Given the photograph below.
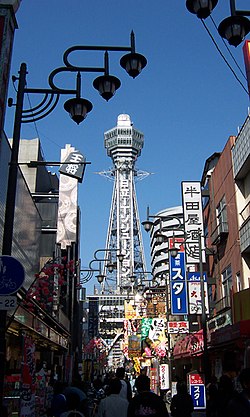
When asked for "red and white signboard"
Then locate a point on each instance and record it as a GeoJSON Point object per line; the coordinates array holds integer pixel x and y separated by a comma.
{"type": "Point", "coordinates": [164, 376]}
{"type": "Point", "coordinates": [178, 327]}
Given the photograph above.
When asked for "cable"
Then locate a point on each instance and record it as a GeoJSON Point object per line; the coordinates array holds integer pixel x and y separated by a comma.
{"type": "Point", "coordinates": [223, 57]}
{"type": "Point", "coordinates": [228, 49]}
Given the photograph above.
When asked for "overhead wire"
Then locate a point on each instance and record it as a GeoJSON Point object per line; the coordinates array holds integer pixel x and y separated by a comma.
{"type": "Point", "coordinates": [223, 57]}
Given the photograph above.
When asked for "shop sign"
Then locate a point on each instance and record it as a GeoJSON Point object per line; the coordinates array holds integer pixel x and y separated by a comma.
{"type": "Point", "coordinates": [194, 292]}
{"type": "Point", "coordinates": [11, 275]}
{"type": "Point", "coordinates": [193, 221]}
{"type": "Point", "coordinates": [178, 284]}
{"type": "Point", "coordinates": [164, 376]}
{"type": "Point", "coordinates": [74, 165]}
{"type": "Point", "coordinates": [219, 321]}
{"type": "Point", "coordinates": [197, 391]}
{"type": "Point", "coordinates": [177, 327]}
{"type": "Point", "coordinates": [27, 397]}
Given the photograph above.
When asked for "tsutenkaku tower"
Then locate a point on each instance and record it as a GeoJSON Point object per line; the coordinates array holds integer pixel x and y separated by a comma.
{"type": "Point", "coordinates": [124, 144]}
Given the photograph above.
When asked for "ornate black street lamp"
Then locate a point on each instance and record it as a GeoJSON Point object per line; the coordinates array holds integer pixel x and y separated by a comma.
{"type": "Point", "coordinates": [233, 28]}
{"type": "Point", "coordinates": [77, 107]}
{"type": "Point", "coordinates": [109, 264]}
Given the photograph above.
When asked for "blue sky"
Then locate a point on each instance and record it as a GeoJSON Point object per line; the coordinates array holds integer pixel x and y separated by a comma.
{"type": "Point", "coordinates": [186, 101]}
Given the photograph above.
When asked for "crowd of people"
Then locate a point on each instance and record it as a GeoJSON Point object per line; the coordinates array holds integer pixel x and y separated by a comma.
{"type": "Point", "coordinates": [224, 398]}
{"type": "Point", "coordinates": [114, 397]}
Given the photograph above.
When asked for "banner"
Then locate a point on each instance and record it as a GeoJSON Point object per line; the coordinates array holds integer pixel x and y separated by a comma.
{"type": "Point", "coordinates": [178, 284]}
{"type": "Point", "coordinates": [28, 378]}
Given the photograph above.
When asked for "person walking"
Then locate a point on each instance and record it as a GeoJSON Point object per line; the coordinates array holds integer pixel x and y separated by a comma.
{"type": "Point", "coordinates": [182, 404]}
{"type": "Point", "coordinates": [212, 397]}
{"type": "Point", "coordinates": [226, 392]}
{"type": "Point", "coordinates": [113, 405]}
{"type": "Point", "coordinates": [146, 402]}
{"type": "Point", "coordinates": [126, 391]}
{"type": "Point", "coordinates": [73, 405]}
{"type": "Point", "coordinates": [239, 405]}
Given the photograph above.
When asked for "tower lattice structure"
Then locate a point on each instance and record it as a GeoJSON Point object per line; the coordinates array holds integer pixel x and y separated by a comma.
{"type": "Point", "coordinates": [124, 143]}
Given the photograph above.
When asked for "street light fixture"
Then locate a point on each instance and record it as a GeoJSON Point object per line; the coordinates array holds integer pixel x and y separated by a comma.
{"type": "Point", "coordinates": [107, 261]}
{"type": "Point", "coordinates": [233, 28]}
{"type": "Point", "coordinates": [77, 107]}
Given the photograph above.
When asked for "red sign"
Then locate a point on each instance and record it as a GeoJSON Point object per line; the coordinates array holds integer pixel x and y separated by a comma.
{"type": "Point", "coordinates": [195, 379]}
{"type": "Point", "coordinates": [176, 242]}
{"type": "Point", "coordinates": [246, 52]}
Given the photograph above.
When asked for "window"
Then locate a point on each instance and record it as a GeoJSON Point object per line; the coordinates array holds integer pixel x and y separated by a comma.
{"type": "Point", "coordinates": [221, 214]}
{"type": "Point", "coordinates": [227, 282]}
{"type": "Point", "coordinates": [238, 282]}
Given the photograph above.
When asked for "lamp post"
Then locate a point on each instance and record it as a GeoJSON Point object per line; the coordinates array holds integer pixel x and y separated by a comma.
{"type": "Point", "coordinates": [233, 28]}
{"type": "Point", "coordinates": [107, 262]}
{"type": "Point", "coordinates": [77, 107]}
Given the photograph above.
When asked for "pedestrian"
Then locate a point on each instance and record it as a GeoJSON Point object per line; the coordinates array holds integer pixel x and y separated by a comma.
{"type": "Point", "coordinates": [146, 402]}
{"type": "Point", "coordinates": [113, 405]}
{"type": "Point", "coordinates": [126, 391]}
{"type": "Point", "coordinates": [73, 405]}
{"type": "Point", "coordinates": [182, 404]}
{"type": "Point", "coordinates": [58, 402]}
{"type": "Point", "coordinates": [77, 388]}
{"type": "Point", "coordinates": [225, 393]}
{"type": "Point", "coordinates": [212, 397]}
{"type": "Point", "coordinates": [239, 405]}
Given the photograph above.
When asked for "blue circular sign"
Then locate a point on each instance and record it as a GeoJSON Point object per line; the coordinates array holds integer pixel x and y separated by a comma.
{"type": "Point", "coordinates": [11, 275]}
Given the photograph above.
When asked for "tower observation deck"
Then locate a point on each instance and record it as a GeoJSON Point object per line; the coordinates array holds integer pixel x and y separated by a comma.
{"type": "Point", "coordinates": [124, 144]}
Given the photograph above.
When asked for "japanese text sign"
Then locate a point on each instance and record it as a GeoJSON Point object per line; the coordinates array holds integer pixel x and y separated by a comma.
{"type": "Point", "coordinates": [178, 284]}
{"type": "Point", "coordinates": [194, 293]}
{"type": "Point", "coordinates": [193, 221]}
{"type": "Point", "coordinates": [197, 391]}
{"type": "Point", "coordinates": [178, 327]}
{"type": "Point", "coordinates": [74, 166]}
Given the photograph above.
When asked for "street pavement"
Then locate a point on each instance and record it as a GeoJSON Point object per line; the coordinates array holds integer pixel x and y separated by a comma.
{"type": "Point", "coordinates": [196, 413]}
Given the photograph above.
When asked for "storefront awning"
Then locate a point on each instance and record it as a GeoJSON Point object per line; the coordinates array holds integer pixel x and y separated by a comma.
{"type": "Point", "coordinates": [190, 345]}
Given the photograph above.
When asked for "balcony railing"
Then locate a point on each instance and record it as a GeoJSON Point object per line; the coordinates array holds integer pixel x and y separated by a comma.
{"type": "Point", "coordinates": [220, 233]}
{"type": "Point", "coordinates": [223, 304]}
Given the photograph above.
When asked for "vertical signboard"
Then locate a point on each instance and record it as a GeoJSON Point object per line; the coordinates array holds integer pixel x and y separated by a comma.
{"type": "Point", "coordinates": [27, 397]}
{"type": "Point", "coordinates": [67, 210]}
{"type": "Point", "coordinates": [197, 391]}
{"type": "Point", "coordinates": [178, 283]}
{"type": "Point", "coordinates": [194, 292]}
{"type": "Point", "coordinates": [193, 221]}
{"type": "Point", "coordinates": [164, 376]}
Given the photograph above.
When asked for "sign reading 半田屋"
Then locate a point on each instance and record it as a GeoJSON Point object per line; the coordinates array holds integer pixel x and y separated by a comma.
{"type": "Point", "coordinates": [193, 221]}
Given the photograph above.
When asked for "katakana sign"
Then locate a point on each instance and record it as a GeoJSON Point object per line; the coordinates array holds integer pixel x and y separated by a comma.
{"type": "Point", "coordinates": [197, 391]}
{"type": "Point", "coordinates": [178, 284]}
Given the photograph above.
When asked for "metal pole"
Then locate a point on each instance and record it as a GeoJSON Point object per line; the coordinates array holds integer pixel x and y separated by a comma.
{"type": "Point", "coordinates": [203, 314]}
{"type": "Point", "coordinates": [232, 7]}
{"type": "Point", "coordinates": [10, 210]}
{"type": "Point", "coordinates": [13, 169]}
